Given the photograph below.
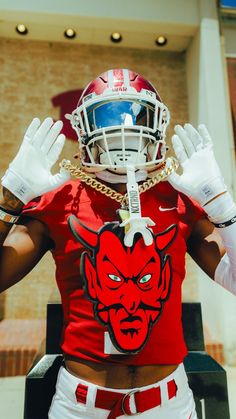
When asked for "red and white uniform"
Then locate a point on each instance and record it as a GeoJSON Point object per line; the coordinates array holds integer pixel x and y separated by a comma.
{"type": "Point", "coordinates": [165, 342]}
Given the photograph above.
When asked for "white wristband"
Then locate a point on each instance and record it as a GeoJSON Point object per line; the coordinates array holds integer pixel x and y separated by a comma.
{"type": "Point", "coordinates": [6, 217]}
{"type": "Point", "coordinates": [221, 209]}
{"type": "Point", "coordinates": [225, 273]}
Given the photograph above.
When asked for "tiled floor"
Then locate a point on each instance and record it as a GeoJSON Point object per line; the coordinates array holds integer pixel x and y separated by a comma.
{"type": "Point", "coordinates": [12, 395]}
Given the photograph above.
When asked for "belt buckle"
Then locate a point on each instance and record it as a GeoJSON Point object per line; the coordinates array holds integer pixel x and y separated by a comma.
{"type": "Point", "coordinates": [123, 404]}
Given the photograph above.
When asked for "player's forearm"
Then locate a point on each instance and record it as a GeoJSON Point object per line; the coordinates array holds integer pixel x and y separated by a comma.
{"type": "Point", "coordinates": [194, 150]}
{"type": "Point", "coordinates": [225, 273]}
{"type": "Point", "coordinates": [222, 213]}
{"type": "Point", "coordinates": [10, 201]}
{"type": "Point", "coordinates": [11, 205]}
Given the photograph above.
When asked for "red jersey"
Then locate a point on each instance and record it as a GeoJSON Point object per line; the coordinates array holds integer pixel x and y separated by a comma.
{"type": "Point", "coordinates": [120, 305]}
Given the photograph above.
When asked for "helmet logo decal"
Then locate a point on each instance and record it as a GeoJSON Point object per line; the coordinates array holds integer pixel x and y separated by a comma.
{"type": "Point", "coordinates": [128, 286]}
{"type": "Point", "coordinates": [119, 89]}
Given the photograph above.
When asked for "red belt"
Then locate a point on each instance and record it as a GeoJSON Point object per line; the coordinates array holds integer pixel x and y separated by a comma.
{"type": "Point", "coordinates": [119, 403]}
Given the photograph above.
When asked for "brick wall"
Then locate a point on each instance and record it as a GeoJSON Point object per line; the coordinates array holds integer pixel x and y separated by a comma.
{"type": "Point", "coordinates": [33, 72]}
{"type": "Point", "coordinates": [20, 341]}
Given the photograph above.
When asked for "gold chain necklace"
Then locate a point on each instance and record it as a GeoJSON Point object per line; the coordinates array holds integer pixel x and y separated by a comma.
{"type": "Point", "coordinates": [77, 172]}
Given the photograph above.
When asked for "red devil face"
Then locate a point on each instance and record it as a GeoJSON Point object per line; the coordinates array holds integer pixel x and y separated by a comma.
{"type": "Point", "coordinates": [127, 285]}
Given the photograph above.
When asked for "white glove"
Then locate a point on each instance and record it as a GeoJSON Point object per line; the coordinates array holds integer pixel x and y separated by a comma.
{"type": "Point", "coordinates": [29, 174]}
{"type": "Point", "coordinates": [201, 178]}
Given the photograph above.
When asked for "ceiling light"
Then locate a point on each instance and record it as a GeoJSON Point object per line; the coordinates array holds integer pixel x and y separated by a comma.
{"type": "Point", "coordinates": [116, 37]}
{"type": "Point", "coordinates": [161, 41]}
{"type": "Point", "coordinates": [70, 33]}
{"type": "Point", "coordinates": [21, 29]}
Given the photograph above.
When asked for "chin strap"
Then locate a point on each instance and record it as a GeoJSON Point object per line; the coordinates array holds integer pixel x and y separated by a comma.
{"type": "Point", "coordinates": [114, 178]}
{"type": "Point", "coordinates": [132, 219]}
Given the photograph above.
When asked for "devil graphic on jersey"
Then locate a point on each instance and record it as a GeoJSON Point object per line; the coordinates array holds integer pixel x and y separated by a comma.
{"type": "Point", "coordinates": [127, 285]}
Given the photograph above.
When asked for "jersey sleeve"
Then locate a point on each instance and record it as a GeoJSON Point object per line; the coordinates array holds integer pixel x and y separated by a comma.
{"type": "Point", "coordinates": [46, 208]}
{"type": "Point", "coordinates": [38, 209]}
{"type": "Point", "coordinates": [53, 207]}
{"type": "Point", "coordinates": [34, 208]}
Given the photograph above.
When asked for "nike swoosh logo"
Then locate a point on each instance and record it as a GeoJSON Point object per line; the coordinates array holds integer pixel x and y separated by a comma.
{"type": "Point", "coordinates": [166, 209]}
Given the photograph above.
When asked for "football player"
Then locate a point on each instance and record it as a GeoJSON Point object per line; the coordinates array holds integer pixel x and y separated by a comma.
{"type": "Point", "coordinates": [119, 232]}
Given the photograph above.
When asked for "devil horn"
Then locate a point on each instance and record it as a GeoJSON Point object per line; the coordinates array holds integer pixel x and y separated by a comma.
{"type": "Point", "coordinates": [164, 239]}
{"type": "Point", "coordinates": [83, 234]}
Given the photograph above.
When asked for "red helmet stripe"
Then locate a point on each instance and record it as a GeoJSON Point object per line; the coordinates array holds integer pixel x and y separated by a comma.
{"type": "Point", "coordinates": [118, 75]}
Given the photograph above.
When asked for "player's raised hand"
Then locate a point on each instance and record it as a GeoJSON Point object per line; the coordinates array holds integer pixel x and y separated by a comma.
{"type": "Point", "coordinates": [201, 178]}
{"type": "Point", "coordinates": [29, 174]}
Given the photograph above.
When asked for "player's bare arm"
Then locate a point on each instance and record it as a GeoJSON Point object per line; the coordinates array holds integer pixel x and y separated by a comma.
{"type": "Point", "coordinates": [213, 241]}
{"type": "Point", "coordinates": [205, 246]}
{"type": "Point", "coordinates": [28, 176]}
{"type": "Point", "coordinates": [13, 205]}
{"type": "Point", "coordinates": [25, 244]}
